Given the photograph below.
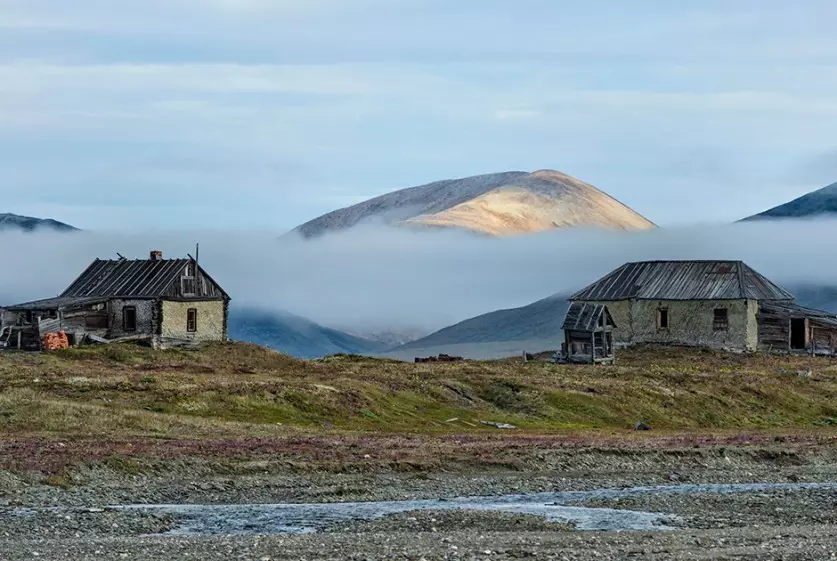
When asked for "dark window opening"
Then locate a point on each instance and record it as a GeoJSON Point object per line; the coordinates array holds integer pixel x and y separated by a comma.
{"type": "Point", "coordinates": [129, 318]}
{"type": "Point", "coordinates": [797, 334]}
{"type": "Point", "coordinates": [192, 320]}
{"type": "Point", "coordinates": [662, 318]}
{"type": "Point", "coordinates": [721, 320]}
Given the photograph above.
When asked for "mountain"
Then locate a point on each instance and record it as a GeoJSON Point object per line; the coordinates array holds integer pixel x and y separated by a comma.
{"type": "Point", "coordinates": [294, 335]}
{"type": "Point", "coordinates": [536, 327]}
{"type": "Point", "coordinates": [498, 204]}
{"type": "Point", "coordinates": [29, 224]}
{"type": "Point", "coordinates": [816, 204]}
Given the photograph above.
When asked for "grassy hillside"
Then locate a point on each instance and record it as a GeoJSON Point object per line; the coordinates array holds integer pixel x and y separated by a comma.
{"type": "Point", "coordinates": [233, 390]}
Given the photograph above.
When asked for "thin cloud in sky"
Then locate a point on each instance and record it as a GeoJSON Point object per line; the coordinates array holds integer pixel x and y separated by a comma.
{"type": "Point", "coordinates": [306, 104]}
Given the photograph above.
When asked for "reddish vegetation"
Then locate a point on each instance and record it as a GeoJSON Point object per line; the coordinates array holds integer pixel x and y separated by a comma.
{"type": "Point", "coordinates": [392, 452]}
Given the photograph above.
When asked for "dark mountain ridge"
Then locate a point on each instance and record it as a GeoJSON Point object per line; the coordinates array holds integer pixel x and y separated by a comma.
{"type": "Point", "coordinates": [13, 222]}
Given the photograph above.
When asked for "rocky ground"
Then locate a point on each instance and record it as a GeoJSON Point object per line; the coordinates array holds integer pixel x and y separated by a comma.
{"type": "Point", "coordinates": [775, 524]}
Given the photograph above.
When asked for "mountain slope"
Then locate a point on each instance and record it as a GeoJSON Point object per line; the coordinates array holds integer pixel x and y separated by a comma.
{"type": "Point", "coordinates": [822, 202]}
{"type": "Point", "coordinates": [294, 335]}
{"type": "Point", "coordinates": [29, 224]}
{"type": "Point", "coordinates": [496, 204]}
{"type": "Point", "coordinates": [539, 320]}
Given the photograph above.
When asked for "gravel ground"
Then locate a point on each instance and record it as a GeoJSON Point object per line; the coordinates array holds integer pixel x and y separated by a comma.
{"type": "Point", "coordinates": [777, 524]}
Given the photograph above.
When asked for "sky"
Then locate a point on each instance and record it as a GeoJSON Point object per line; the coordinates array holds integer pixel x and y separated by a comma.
{"type": "Point", "coordinates": [258, 114]}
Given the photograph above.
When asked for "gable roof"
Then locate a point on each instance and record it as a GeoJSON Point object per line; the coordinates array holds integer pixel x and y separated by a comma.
{"type": "Point", "coordinates": [683, 280]}
{"type": "Point", "coordinates": [584, 316]}
{"type": "Point", "coordinates": [134, 278]}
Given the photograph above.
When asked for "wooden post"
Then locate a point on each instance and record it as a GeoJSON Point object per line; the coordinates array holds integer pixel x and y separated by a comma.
{"type": "Point", "coordinates": [19, 333]}
{"type": "Point", "coordinates": [813, 343]}
{"type": "Point", "coordinates": [593, 347]}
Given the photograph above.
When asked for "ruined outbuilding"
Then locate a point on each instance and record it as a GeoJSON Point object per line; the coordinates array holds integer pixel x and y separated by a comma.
{"type": "Point", "coordinates": [588, 334]}
{"type": "Point", "coordinates": [159, 300]}
{"type": "Point", "coordinates": [717, 304]}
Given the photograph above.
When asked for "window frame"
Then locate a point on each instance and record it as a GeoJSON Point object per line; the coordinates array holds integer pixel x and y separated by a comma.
{"type": "Point", "coordinates": [663, 312]}
{"type": "Point", "coordinates": [192, 320]}
{"type": "Point", "coordinates": [125, 327]}
{"type": "Point", "coordinates": [720, 323]}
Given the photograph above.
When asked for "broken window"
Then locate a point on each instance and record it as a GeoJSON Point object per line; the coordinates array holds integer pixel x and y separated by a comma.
{"type": "Point", "coordinates": [192, 320]}
{"type": "Point", "coordinates": [662, 318]}
{"type": "Point", "coordinates": [129, 318]}
{"type": "Point", "coordinates": [721, 320]}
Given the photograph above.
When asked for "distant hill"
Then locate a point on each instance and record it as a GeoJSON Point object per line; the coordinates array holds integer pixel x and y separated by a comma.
{"type": "Point", "coordinates": [819, 203]}
{"type": "Point", "coordinates": [28, 224]}
{"type": "Point", "coordinates": [294, 335]}
{"type": "Point", "coordinates": [498, 204]}
{"type": "Point", "coordinates": [535, 327]}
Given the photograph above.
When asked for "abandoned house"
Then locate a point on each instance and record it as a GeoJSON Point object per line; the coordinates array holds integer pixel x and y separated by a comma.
{"type": "Point", "coordinates": [161, 300]}
{"type": "Point", "coordinates": [719, 304]}
{"type": "Point", "coordinates": [588, 334]}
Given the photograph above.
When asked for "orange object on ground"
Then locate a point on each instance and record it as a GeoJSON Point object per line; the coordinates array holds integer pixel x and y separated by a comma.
{"type": "Point", "coordinates": [55, 341]}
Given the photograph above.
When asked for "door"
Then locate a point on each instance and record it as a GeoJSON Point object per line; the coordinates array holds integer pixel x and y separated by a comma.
{"type": "Point", "coordinates": [797, 333]}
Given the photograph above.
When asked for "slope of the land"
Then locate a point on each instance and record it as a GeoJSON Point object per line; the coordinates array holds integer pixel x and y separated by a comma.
{"type": "Point", "coordinates": [496, 204]}
{"type": "Point", "coordinates": [820, 203]}
{"type": "Point", "coordinates": [294, 335]}
{"type": "Point", "coordinates": [30, 224]}
{"type": "Point", "coordinates": [541, 319]}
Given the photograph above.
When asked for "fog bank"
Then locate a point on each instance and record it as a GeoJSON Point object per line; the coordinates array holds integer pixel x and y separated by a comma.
{"type": "Point", "coordinates": [378, 277]}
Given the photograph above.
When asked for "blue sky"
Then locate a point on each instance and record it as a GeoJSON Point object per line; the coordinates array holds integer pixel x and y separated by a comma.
{"type": "Point", "coordinates": [253, 114]}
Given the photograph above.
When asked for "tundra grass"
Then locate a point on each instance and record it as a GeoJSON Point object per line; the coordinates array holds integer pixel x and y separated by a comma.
{"type": "Point", "coordinates": [234, 390]}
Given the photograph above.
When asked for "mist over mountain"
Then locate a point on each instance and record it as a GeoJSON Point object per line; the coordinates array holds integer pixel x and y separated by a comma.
{"type": "Point", "coordinates": [12, 222]}
{"type": "Point", "coordinates": [817, 204]}
{"type": "Point", "coordinates": [498, 204]}
{"type": "Point", "coordinates": [295, 335]}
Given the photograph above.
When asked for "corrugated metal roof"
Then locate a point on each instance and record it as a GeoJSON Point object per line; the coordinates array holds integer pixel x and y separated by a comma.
{"type": "Point", "coordinates": [584, 316]}
{"type": "Point", "coordinates": [140, 278]}
{"type": "Point", "coordinates": [683, 280]}
{"type": "Point", "coordinates": [59, 303]}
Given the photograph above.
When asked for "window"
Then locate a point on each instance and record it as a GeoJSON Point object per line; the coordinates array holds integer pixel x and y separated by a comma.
{"type": "Point", "coordinates": [190, 269]}
{"type": "Point", "coordinates": [191, 320]}
{"type": "Point", "coordinates": [721, 320]}
{"type": "Point", "coordinates": [129, 318]}
{"type": "Point", "coordinates": [662, 318]}
{"type": "Point", "coordinates": [188, 286]}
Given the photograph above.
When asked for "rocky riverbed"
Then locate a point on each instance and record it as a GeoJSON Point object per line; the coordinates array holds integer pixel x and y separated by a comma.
{"type": "Point", "coordinates": [65, 516]}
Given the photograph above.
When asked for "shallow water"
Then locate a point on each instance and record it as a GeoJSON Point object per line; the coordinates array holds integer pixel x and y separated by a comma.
{"type": "Point", "coordinates": [555, 507]}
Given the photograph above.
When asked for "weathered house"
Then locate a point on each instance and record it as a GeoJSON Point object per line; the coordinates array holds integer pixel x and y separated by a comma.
{"type": "Point", "coordinates": [156, 299]}
{"type": "Point", "coordinates": [588, 334]}
{"type": "Point", "coordinates": [720, 304]}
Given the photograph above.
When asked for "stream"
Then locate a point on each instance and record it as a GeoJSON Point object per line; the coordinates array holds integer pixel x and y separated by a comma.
{"type": "Point", "coordinates": [244, 519]}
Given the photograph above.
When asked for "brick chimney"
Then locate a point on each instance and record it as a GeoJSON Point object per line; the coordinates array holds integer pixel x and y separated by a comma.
{"type": "Point", "coordinates": [156, 256]}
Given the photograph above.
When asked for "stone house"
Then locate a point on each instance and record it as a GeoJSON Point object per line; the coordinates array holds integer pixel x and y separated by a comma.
{"type": "Point", "coordinates": [161, 300]}
{"type": "Point", "coordinates": [718, 304]}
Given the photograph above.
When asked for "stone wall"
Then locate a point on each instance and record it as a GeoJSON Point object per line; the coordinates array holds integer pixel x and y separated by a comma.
{"type": "Point", "coordinates": [689, 323]}
{"type": "Point", "coordinates": [210, 320]}
{"type": "Point", "coordinates": [145, 323]}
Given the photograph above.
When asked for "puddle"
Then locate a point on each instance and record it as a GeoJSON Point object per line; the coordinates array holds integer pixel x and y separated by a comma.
{"type": "Point", "coordinates": [248, 519]}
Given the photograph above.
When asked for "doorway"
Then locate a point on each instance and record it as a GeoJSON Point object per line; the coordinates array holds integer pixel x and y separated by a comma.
{"type": "Point", "coordinates": [797, 333]}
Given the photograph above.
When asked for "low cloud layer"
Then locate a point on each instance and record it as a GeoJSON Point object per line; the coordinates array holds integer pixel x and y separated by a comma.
{"type": "Point", "coordinates": [376, 277]}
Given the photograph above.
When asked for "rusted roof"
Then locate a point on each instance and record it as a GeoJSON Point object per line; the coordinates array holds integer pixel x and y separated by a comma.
{"type": "Point", "coordinates": [584, 316]}
{"type": "Point", "coordinates": [683, 280]}
{"type": "Point", "coordinates": [138, 278]}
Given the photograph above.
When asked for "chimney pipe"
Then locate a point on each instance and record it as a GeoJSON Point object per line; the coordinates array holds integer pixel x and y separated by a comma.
{"type": "Point", "coordinates": [156, 255]}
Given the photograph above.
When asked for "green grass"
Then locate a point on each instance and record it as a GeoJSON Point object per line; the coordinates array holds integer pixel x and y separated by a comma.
{"type": "Point", "coordinates": [237, 389]}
